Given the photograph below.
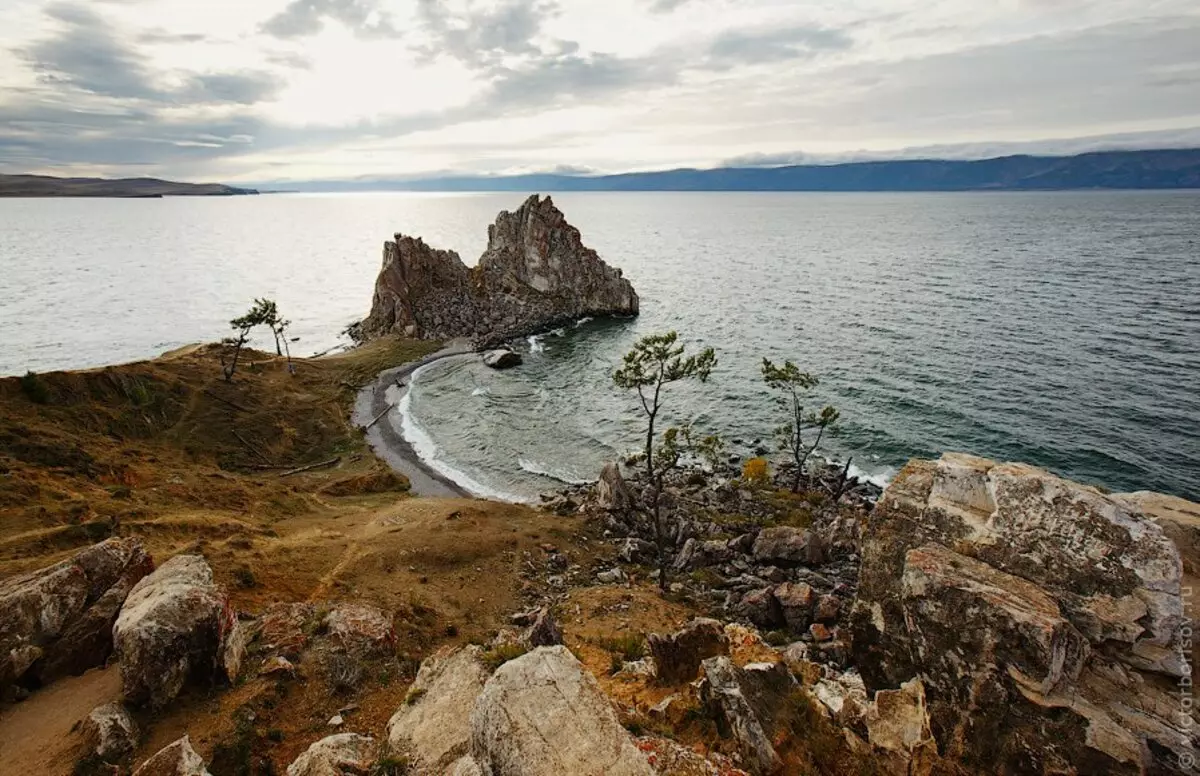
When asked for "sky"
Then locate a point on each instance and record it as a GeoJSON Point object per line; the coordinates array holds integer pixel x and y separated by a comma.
{"type": "Point", "coordinates": [278, 90]}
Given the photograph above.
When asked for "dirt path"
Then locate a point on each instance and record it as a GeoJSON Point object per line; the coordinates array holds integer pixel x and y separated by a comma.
{"type": "Point", "coordinates": [37, 736]}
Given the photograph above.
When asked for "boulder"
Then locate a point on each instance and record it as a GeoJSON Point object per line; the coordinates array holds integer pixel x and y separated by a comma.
{"type": "Point", "coordinates": [542, 714]}
{"type": "Point", "coordinates": [784, 546]}
{"type": "Point", "coordinates": [612, 492]}
{"type": "Point", "coordinates": [1051, 610]}
{"type": "Point", "coordinates": [284, 628]}
{"type": "Point", "coordinates": [176, 625]}
{"type": "Point", "coordinates": [762, 608]}
{"type": "Point", "coordinates": [501, 359]}
{"type": "Point", "coordinates": [744, 701]}
{"type": "Point", "coordinates": [898, 725]}
{"type": "Point", "coordinates": [433, 727]}
{"type": "Point", "coordinates": [535, 274]}
{"type": "Point", "coordinates": [677, 656]}
{"type": "Point", "coordinates": [58, 620]}
{"type": "Point", "coordinates": [110, 733]}
{"type": "Point", "coordinates": [543, 631]}
{"type": "Point", "coordinates": [345, 754]}
{"type": "Point", "coordinates": [360, 630]}
{"type": "Point", "coordinates": [828, 609]}
{"type": "Point", "coordinates": [796, 601]}
{"type": "Point", "coordinates": [175, 759]}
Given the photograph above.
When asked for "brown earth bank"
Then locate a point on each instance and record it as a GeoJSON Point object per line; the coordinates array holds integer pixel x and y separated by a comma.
{"type": "Point", "coordinates": [304, 613]}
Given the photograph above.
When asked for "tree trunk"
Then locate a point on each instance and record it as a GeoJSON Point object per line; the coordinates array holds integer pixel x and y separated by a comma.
{"type": "Point", "coordinates": [841, 486]}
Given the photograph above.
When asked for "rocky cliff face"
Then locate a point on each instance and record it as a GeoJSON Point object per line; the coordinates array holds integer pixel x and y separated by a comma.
{"type": "Point", "coordinates": [535, 273]}
{"type": "Point", "coordinates": [1045, 619]}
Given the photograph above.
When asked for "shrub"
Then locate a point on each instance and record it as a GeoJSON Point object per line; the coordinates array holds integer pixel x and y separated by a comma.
{"type": "Point", "coordinates": [757, 472]}
{"type": "Point", "coordinates": [499, 655]}
{"type": "Point", "coordinates": [35, 388]}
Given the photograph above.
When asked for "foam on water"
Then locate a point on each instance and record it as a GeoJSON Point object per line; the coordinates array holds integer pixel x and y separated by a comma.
{"type": "Point", "coordinates": [533, 467]}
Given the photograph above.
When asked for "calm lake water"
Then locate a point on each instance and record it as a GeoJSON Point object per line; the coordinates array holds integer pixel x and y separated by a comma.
{"type": "Point", "coordinates": [1061, 329]}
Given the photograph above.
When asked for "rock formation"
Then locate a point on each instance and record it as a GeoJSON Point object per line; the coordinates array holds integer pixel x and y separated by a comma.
{"type": "Point", "coordinates": [58, 620]}
{"type": "Point", "coordinates": [536, 273]}
{"type": "Point", "coordinates": [1043, 617]}
{"type": "Point", "coordinates": [176, 625]}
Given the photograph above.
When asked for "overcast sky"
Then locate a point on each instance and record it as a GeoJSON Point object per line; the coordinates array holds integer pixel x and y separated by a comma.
{"type": "Point", "coordinates": [259, 90]}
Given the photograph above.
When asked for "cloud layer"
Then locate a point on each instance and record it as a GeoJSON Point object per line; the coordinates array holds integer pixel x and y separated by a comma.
{"type": "Point", "coordinates": [279, 89]}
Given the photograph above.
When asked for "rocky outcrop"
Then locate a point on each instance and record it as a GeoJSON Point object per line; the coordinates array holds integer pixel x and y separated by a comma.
{"type": "Point", "coordinates": [677, 656]}
{"type": "Point", "coordinates": [340, 755]}
{"type": "Point", "coordinates": [1043, 618]}
{"type": "Point", "coordinates": [58, 620]}
{"type": "Point", "coordinates": [433, 728]}
{"type": "Point", "coordinates": [175, 759]}
{"type": "Point", "coordinates": [535, 273]}
{"type": "Point", "coordinates": [542, 715]}
{"type": "Point", "coordinates": [744, 702]}
{"type": "Point", "coordinates": [176, 625]}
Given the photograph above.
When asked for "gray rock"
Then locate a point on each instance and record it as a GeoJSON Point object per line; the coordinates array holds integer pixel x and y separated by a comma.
{"type": "Point", "coordinates": [501, 359]}
{"type": "Point", "coordinates": [344, 754]}
{"type": "Point", "coordinates": [727, 695]}
{"type": "Point", "coordinates": [175, 759]}
{"type": "Point", "coordinates": [58, 620]}
{"type": "Point", "coordinates": [612, 492]}
{"type": "Point", "coordinates": [783, 546]}
{"type": "Point", "coordinates": [543, 715]}
{"type": "Point", "coordinates": [433, 727]}
{"type": "Point", "coordinates": [797, 601]}
{"type": "Point", "coordinates": [1044, 606]}
{"type": "Point", "coordinates": [611, 576]}
{"type": "Point", "coordinates": [175, 625]}
{"type": "Point", "coordinates": [110, 733]}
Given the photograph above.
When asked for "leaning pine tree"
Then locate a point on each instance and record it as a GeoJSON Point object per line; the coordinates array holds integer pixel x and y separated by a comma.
{"type": "Point", "coordinates": [655, 362]}
{"type": "Point", "coordinates": [789, 381]}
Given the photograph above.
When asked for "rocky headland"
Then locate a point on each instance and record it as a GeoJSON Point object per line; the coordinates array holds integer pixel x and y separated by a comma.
{"type": "Point", "coordinates": [535, 274]}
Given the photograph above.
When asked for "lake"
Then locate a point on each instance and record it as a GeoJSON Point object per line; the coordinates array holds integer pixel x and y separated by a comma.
{"type": "Point", "coordinates": [1060, 329]}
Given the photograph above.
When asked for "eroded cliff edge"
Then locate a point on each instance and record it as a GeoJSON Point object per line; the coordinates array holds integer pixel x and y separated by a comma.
{"type": "Point", "coordinates": [535, 273]}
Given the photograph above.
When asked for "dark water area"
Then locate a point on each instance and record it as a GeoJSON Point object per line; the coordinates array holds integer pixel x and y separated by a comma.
{"type": "Point", "coordinates": [1059, 329]}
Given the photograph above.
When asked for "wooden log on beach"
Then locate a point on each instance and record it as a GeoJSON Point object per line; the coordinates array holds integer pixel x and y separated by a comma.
{"type": "Point", "coordinates": [311, 467]}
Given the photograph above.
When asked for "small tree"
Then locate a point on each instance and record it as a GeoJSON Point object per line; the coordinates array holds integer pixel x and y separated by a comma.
{"type": "Point", "coordinates": [654, 362]}
{"type": "Point", "coordinates": [269, 312]}
{"type": "Point", "coordinates": [793, 384]}
{"type": "Point", "coordinates": [258, 315]}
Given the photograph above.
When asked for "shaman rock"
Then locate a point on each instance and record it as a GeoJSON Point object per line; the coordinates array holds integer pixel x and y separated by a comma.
{"type": "Point", "coordinates": [535, 273]}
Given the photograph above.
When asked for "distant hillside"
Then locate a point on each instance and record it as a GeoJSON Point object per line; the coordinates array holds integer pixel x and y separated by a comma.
{"type": "Point", "coordinates": [46, 186]}
{"type": "Point", "coordinates": [1165, 169]}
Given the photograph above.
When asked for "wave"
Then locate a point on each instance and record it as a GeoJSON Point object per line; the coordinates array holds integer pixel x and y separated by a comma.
{"type": "Point", "coordinates": [533, 467]}
{"type": "Point", "coordinates": [480, 391]}
{"type": "Point", "coordinates": [535, 343]}
{"type": "Point", "coordinates": [585, 319]}
{"type": "Point", "coordinates": [882, 479]}
{"type": "Point", "coordinates": [429, 453]}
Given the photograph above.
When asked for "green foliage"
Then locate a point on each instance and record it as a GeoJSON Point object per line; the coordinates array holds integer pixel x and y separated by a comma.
{"type": "Point", "coordinates": [35, 388]}
{"type": "Point", "coordinates": [629, 646]}
{"type": "Point", "coordinates": [264, 312]}
{"type": "Point", "coordinates": [656, 361]}
{"type": "Point", "coordinates": [501, 654]}
{"type": "Point", "coordinates": [793, 384]}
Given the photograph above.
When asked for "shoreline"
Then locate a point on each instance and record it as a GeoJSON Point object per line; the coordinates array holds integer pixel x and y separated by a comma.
{"type": "Point", "coordinates": [388, 443]}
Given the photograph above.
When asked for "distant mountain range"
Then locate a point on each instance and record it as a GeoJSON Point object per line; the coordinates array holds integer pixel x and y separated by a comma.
{"type": "Point", "coordinates": [46, 186]}
{"type": "Point", "coordinates": [1159, 169]}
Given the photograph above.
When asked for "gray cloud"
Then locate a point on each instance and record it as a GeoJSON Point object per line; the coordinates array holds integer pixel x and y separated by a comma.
{"type": "Point", "coordinates": [301, 18]}
{"type": "Point", "coordinates": [738, 47]}
{"type": "Point", "coordinates": [87, 55]}
{"type": "Point", "coordinates": [153, 37]}
{"type": "Point", "coordinates": [666, 6]}
{"type": "Point", "coordinates": [481, 37]}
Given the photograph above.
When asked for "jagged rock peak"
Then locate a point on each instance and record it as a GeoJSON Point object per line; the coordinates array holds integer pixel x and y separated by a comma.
{"type": "Point", "coordinates": [536, 273]}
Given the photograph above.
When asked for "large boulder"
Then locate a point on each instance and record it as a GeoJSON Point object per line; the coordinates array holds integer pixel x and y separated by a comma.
{"type": "Point", "coordinates": [612, 492]}
{"type": "Point", "coordinates": [361, 631]}
{"type": "Point", "coordinates": [176, 625]}
{"type": "Point", "coordinates": [175, 759]}
{"type": "Point", "coordinates": [677, 656]}
{"type": "Point", "coordinates": [785, 546]}
{"type": "Point", "coordinates": [432, 729]}
{"type": "Point", "coordinates": [535, 273]}
{"type": "Point", "coordinates": [58, 620]}
{"type": "Point", "coordinates": [345, 754]}
{"type": "Point", "coordinates": [746, 703]}
{"type": "Point", "coordinates": [1049, 610]}
{"type": "Point", "coordinates": [543, 715]}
